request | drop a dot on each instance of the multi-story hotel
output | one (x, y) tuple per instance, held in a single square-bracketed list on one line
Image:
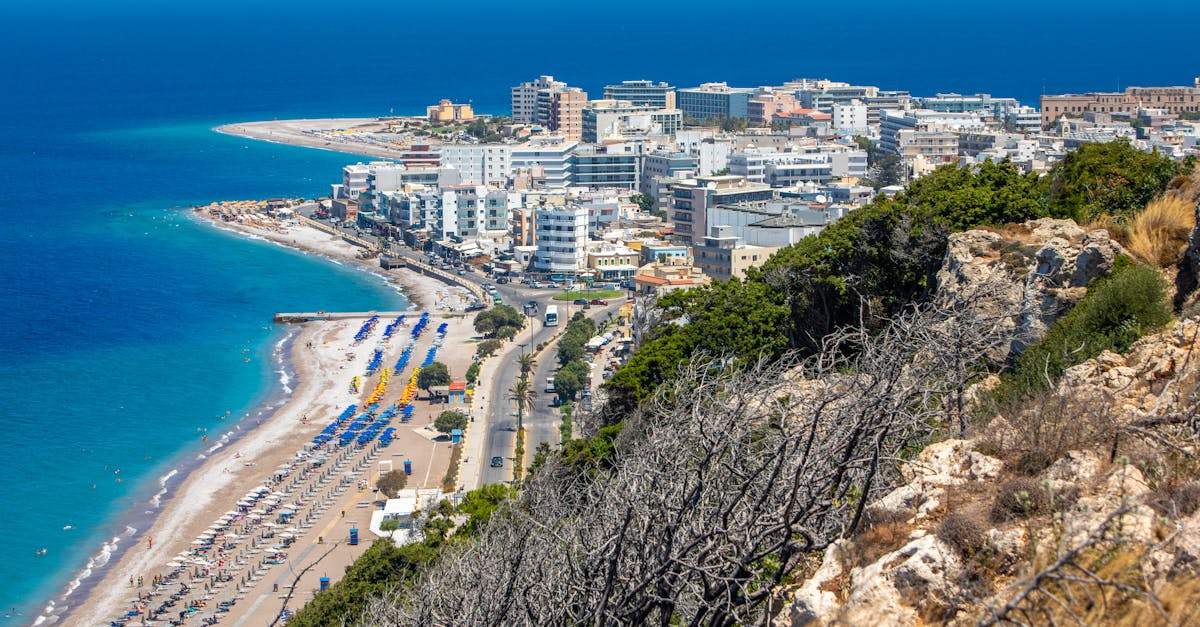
[(1172, 99)]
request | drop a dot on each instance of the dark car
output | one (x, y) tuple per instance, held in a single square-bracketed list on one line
[(497, 462), (476, 306), (599, 301), (581, 301)]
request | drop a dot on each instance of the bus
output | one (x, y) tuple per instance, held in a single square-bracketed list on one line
[(551, 315)]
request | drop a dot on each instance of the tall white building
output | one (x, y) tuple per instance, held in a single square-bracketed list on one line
[(562, 237), (525, 97)]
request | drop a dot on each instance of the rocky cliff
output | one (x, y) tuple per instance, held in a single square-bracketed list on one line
[(1039, 269), (1080, 505)]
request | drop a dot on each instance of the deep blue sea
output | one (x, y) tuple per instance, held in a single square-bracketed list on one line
[(125, 325)]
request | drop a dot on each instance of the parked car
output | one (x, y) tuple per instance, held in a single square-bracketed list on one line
[(476, 306), (497, 462), (599, 301), (581, 301)]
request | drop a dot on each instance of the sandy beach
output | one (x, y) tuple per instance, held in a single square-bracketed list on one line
[(356, 136), (325, 357)]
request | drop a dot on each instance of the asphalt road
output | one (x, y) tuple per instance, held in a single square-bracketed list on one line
[(542, 423)]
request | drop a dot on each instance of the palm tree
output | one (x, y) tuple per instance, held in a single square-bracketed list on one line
[(526, 361), (522, 393)]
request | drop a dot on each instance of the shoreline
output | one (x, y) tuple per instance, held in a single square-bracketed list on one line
[(175, 482), (213, 482)]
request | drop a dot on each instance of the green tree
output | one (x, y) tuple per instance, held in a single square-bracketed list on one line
[(501, 320), (526, 362), (479, 506), (571, 378), (1112, 179), (435, 373), (733, 125), (522, 394), (645, 202), (391, 483), (450, 420), (389, 524), (571, 345), (473, 372)]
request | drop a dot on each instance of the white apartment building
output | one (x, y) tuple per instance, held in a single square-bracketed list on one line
[(604, 119), (354, 179), (849, 117), (562, 237), (711, 153), (922, 132), (845, 161), (479, 164), (551, 154), (1026, 120)]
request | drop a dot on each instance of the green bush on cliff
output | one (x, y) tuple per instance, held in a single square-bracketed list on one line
[(1130, 302), (1113, 179)]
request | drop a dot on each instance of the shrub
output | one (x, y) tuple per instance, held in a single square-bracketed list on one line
[(472, 372), (1019, 498), (1182, 499), (487, 347), (1159, 234), (450, 420), (391, 483), (1033, 462), (1113, 178), (1117, 310), (964, 532)]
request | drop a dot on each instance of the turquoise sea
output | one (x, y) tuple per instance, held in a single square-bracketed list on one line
[(125, 325)]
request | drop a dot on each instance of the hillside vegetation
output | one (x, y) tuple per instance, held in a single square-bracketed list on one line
[(751, 437)]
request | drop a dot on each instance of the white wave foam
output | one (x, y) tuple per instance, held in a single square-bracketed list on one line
[(162, 481), (97, 560)]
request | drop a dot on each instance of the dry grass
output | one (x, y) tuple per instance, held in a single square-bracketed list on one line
[(1159, 234), (883, 531)]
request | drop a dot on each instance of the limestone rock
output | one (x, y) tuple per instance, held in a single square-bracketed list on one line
[(1032, 277), (922, 577)]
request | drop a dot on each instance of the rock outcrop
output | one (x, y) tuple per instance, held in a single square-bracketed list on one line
[(1032, 273), (922, 575)]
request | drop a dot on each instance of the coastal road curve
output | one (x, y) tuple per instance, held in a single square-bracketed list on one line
[(542, 423)]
